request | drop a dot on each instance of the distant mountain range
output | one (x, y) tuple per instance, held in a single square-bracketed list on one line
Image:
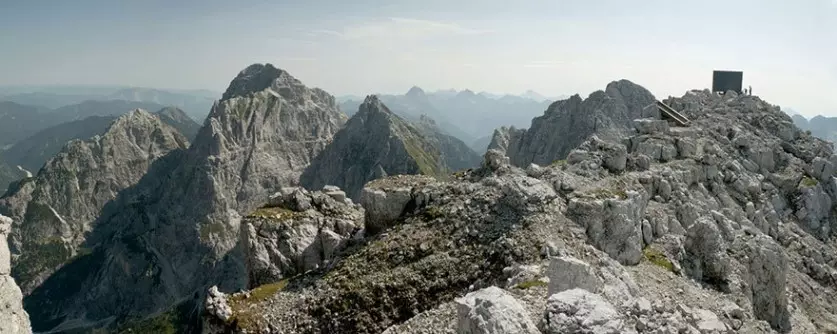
[(18, 121), (196, 103), (820, 126), (466, 115)]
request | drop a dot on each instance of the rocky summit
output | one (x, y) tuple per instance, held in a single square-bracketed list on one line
[(13, 318), (568, 123), (54, 211), (724, 226), (160, 242), (374, 143)]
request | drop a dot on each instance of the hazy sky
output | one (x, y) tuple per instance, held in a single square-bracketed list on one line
[(787, 49)]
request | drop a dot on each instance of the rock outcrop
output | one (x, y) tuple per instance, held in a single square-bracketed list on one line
[(568, 123), (13, 318), (581, 311), (297, 231), (161, 242), (492, 311), (719, 227), (54, 211), (373, 144)]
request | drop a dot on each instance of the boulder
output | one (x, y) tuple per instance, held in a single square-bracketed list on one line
[(650, 126), (705, 258), (567, 273), (768, 268), (613, 225), (492, 311), (580, 311)]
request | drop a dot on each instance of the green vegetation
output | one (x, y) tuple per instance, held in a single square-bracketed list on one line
[(808, 182), (276, 213), (428, 164), (559, 163), (432, 212), (603, 193), (242, 315), (165, 323), (36, 259), (531, 284), (208, 229), (658, 258)]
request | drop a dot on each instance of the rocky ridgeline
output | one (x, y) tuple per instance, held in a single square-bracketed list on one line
[(720, 227), (567, 123), (163, 240), (13, 318), (374, 143), (54, 211)]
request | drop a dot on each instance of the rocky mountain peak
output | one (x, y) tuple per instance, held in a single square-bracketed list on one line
[(374, 143), (259, 77), (178, 119), (567, 123), (174, 113), (56, 209), (258, 138)]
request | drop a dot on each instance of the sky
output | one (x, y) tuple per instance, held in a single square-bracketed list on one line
[(786, 49)]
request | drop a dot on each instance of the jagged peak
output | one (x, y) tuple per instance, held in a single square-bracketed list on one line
[(259, 77), (466, 93), (373, 105)]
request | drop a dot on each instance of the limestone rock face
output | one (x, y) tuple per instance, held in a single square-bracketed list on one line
[(580, 311), (296, 232), (567, 273), (175, 232), (387, 200), (54, 211), (13, 318), (492, 311), (568, 123), (374, 143), (613, 225)]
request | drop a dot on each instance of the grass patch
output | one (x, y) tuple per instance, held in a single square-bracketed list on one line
[(165, 323), (658, 258), (531, 284), (208, 229), (428, 162), (808, 182), (432, 212), (277, 213), (39, 258), (559, 163), (603, 193), (243, 314)]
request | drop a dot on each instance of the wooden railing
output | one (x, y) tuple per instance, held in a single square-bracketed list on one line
[(673, 114)]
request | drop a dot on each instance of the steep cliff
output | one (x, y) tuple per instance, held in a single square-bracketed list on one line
[(160, 242), (54, 211), (568, 123), (13, 318)]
